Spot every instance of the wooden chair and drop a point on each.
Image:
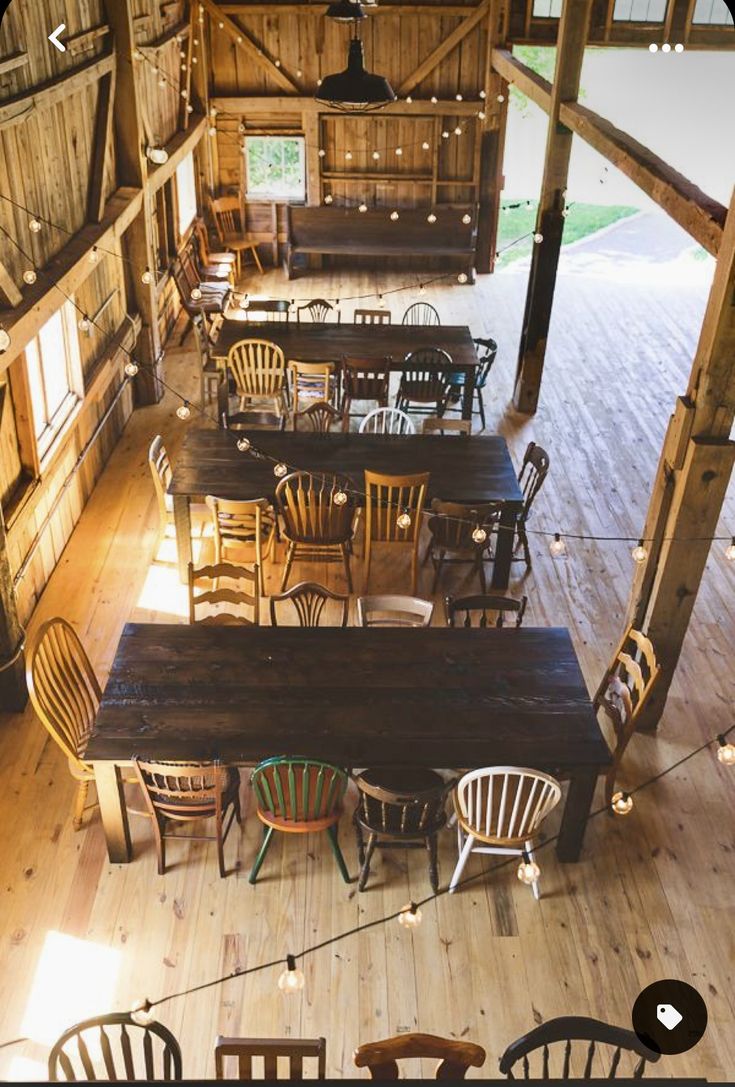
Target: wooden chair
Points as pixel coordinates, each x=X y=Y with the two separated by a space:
x=421 y=313
x=269 y=309
x=531 y=478
x=252 y=420
x=424 y=380
x=438 y=425
x=247 y=599
x=180 y=792
x=317 y=528
x=208 y=257
x=364 y=379
x=309 y=601
x=126 y=1050
x=162 y=473
x=394 y=611
x=197 y=296
x=228 y=222
x=592 y=1059
x=454 y=1057
x=499 y=810
x=456 y=380
x=239 y=524
x=259 y=370
x=399 y=807
x=372 y=317
x=310 y=381
x=210 y=375
x=318 y=311
x=298 y=796
x=387 y=498
x=486 y=610
x=623 y=693
x=215 y=273
x=450 y=531
x=320 y=417
x=387 y=421
x=293 y=1050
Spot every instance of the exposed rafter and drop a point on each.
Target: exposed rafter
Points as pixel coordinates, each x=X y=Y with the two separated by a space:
x=16 y=110
x=254 y=49
x=444 y=48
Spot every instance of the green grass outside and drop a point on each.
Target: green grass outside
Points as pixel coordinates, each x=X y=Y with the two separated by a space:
x=583 y=220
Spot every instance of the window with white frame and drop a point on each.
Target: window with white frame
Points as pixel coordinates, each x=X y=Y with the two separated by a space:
x=186 y=191
x=546 y=9
x=274 y=168
x=639 y=11
x=54 y=371
x=711 y=13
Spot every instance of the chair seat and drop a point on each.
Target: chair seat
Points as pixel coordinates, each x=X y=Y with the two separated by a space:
x=217 y=273
x=488 y=839
x=222 y=258
x=296 y=826
x=238 y=241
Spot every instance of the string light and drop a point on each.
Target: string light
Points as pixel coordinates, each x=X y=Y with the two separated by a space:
x=479 y=535
x=340 y=498
x=93 y=255
x=29 y=277
x=528 y=870
x=184 y=411
x=462 y=277
x=243 y=444
x=280 y=470
x=538 y=238
x=147 y=277
x=292 y=979
x=212 y=130
x=425 y=145
x=410 y=916
x=376 y=155
x=399 y=151
x=501 y=98
x=34 y=226
x=622 y=803
x=431 y=218
x=348 y=156
x=458 y=97
x=84 y=324
x=404 y=520
x=639 y=552
x=666 y=48
x=434 y=100
x=445 y=135
x=196 y=294
x=458 y=130
x=5 y=340
x=466 y=219
x=678 y=48
x=557 y=547
x=422 y=289
x=131 y=368
x=141 y=1012
x=481 y=114
x=482 y=94
x=653 y=48
x=725 y=751
x=362 y=208
x=381 y=302
x=394 y=216
x=328 y=198
x=730 y=551
x=321 y=151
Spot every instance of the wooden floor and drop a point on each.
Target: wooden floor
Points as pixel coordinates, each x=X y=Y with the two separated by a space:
x=652 y=897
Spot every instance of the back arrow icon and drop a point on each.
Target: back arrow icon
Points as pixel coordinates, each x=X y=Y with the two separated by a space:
x=54 y=37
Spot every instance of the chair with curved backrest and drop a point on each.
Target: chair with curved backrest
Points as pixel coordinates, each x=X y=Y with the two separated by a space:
x=399 y=807
x=160 y=466
x=387 y=421
x=389 y=498
x=531 y=479
x=320 y=418
x=309 y=601
x=207 y=256
x=394 y=611
x=499 y=810
x=456 y=380
x=624 y=691
x=372 y=317
x=227 y=215
x=97 y=1050
x=239 y=524
x=485 y=610
x=364 y=379
x=294 y=1050
x=317 y=525
x=318 y=311
x=601 y=1044
x=310 y=381
x=298 y=796
x=454 y=1056
x=438 y=425
x=213 y=594
x=424 y=380
x=450 y=530
x=259 y=370
x=421 y=313
x=180 y=792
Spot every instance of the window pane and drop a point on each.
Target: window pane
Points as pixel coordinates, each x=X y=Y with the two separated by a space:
x=640 y=11
x=54 y=364
x=35 y=385
x=711 y=13
x=187 y=193
x=275 y=167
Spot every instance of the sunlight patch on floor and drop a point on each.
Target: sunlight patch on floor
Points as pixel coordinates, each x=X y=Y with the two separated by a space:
x=163 y=593
x=24 y=1070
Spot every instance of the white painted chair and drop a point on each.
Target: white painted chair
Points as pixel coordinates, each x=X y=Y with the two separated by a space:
x=387 y=421
x=499 y=810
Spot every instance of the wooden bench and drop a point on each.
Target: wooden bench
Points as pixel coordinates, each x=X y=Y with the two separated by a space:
x=326 y=230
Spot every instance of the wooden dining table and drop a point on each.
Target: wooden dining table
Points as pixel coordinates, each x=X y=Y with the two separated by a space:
x=472 y=470
x=436 y=697
x=324 y=342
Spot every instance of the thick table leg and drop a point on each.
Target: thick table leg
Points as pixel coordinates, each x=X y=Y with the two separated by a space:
x=576 y=812
x=468 y=392
x=182 y=524
x=504 y=549
x=111 y=795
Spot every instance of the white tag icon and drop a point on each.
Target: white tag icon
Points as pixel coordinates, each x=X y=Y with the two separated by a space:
x=668 y=1015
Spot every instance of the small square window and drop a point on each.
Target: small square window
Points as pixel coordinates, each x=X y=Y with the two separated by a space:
x=546 y=9
x=711 y=13
x=274 y=168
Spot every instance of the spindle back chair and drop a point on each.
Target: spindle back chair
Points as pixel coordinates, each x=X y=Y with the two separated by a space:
x=387 y=421
x=310 y=381
x=602 y=1049
x=534 y=470
x=320 y=417
x=388 y=497
x=454 y=1056
x=424 y=380
x=126 y=1050
x=421 y=313
x=364 y=379
x=318 y=310
x=309 y=601
x=228 y=220
x=317 y=524
x=259 y=370
x=486 y=610
x=299 y=1055
x=456 y=380
x=162 y=473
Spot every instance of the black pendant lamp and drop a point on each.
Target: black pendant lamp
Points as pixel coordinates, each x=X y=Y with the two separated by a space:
x=345 y=11
x=355 y=90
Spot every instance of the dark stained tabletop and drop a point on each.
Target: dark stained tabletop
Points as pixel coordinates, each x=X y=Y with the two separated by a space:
x=357 y=697
x=476 y=469
x=329 y=342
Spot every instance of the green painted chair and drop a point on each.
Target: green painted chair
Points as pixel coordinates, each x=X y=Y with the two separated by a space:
x=298 y=796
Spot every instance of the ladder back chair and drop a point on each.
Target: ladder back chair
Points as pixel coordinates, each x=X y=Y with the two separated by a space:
x=238 y=524
x=387 y=421
x=209 y=372
x=424 y=380
x=309 y=601
x=588 y=1049
x=298 y=796
x=318 y=311
x=421 y=313
x=372 y=317
x=317 y=525
x=259 y=370
x=438 y=425
x=115 y=1047
x=310 y=381
x=486 y=610
x=209 y=258
x=162 y=473
x=391 y=610
x=450 y=531
x=180 y=792
x=399 y=807
x=456 y=380
x=624 y=692
x=215 y=273
x=298 y=1054
x=499 y=810
x=455 y=1057
x=364 y=379
x=531 y=477
x=205 y=590
x=387 y=498
x=227 y=215
x=320 y=417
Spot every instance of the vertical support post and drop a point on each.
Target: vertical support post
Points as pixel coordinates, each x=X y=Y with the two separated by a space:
x=13 y=692
x=492 y=145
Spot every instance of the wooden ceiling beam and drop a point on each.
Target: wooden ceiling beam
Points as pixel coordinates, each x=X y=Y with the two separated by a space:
x=103 y=138
x=321 y=9
x=451 y=41
x=18 y=109
x=525 y=79
x=250 y=45
x=245 y=105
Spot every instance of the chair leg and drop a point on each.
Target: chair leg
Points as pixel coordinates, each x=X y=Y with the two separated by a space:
x=287 y=565
x=368 y=555
x=259 y=266
x=523 y=540
x=481 y=407
x=433 y=862
x=334 y=842
x=359 y=840
x=463 y=858
x=438 y=570
x=414 y=567
x=221 y=849
x=365 y=870
x=79 y=801
x=481 y=573
x=159 y=827
x=267 y=835
x=535 y=885
x=346 y=560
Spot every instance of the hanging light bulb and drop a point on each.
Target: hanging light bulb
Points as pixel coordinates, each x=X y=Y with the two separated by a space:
x=292 y=979
x=162 y=77
x=196 y=294
x=184 y=93
x=482 y=94
x=243 y=444
x=653 y=48
x=376 y=155
x=422 y=289
x=409 y=99
x=538 y=238
x=348 y=156
x=410 y=916
x=137 y=55
x=431 y=218
x=404 y=520
x=299 y=73
x=242 y=129
x=394 y=216
x=4 y=340
x=183 y=411
x=212 y=130
x=189 y=109
x=141 y=1013
x=34 y=226
x=340 y=497
x=458 y=130
x=399 y=151
x=425 y=146
x=458 y=97
x=84 y=324
x=434 y=100
x=93 y=255
x=467 y=219
x=29 y=277
x=280 y=470
x=481 y=114
x=362 y=208
x=725 y=751
x=131 y=368
x=678 y=48
x=730 y=551
x=639 y=552
x=328 y=198
x=381 y=302
x=321 y=152
x=462 y=277
x=501 y=98
x=445 y=135
x=528 y=870
x=622 y=803
x=557 y=547
x=666 y=48
x=147 y=277
x=479 y=535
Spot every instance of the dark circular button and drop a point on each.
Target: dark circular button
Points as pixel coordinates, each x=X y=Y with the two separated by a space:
x=669 y=1016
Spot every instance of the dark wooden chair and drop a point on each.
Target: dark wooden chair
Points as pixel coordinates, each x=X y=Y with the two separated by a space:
x=399 y=807
x=531 y=478
x=318 y=311
x=421 y=313
x=252 y=420
x=456 y=380
x=115 y=1047
x=364 y=379
x=486 y=610
x=454 y=1057
x=372 y=317
x=424 y=381
x=247 y=1051
x=180 y=792
x=320 y=417
x=450 y=531
x=317 y=527
x=298 y=796
x=269 y=309
x=601 y=1046
x=196 y=297
x=309 y=601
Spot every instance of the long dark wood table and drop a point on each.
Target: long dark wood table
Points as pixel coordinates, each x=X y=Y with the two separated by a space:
x=473 y=470
x=438 y=697
x=331 y=342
